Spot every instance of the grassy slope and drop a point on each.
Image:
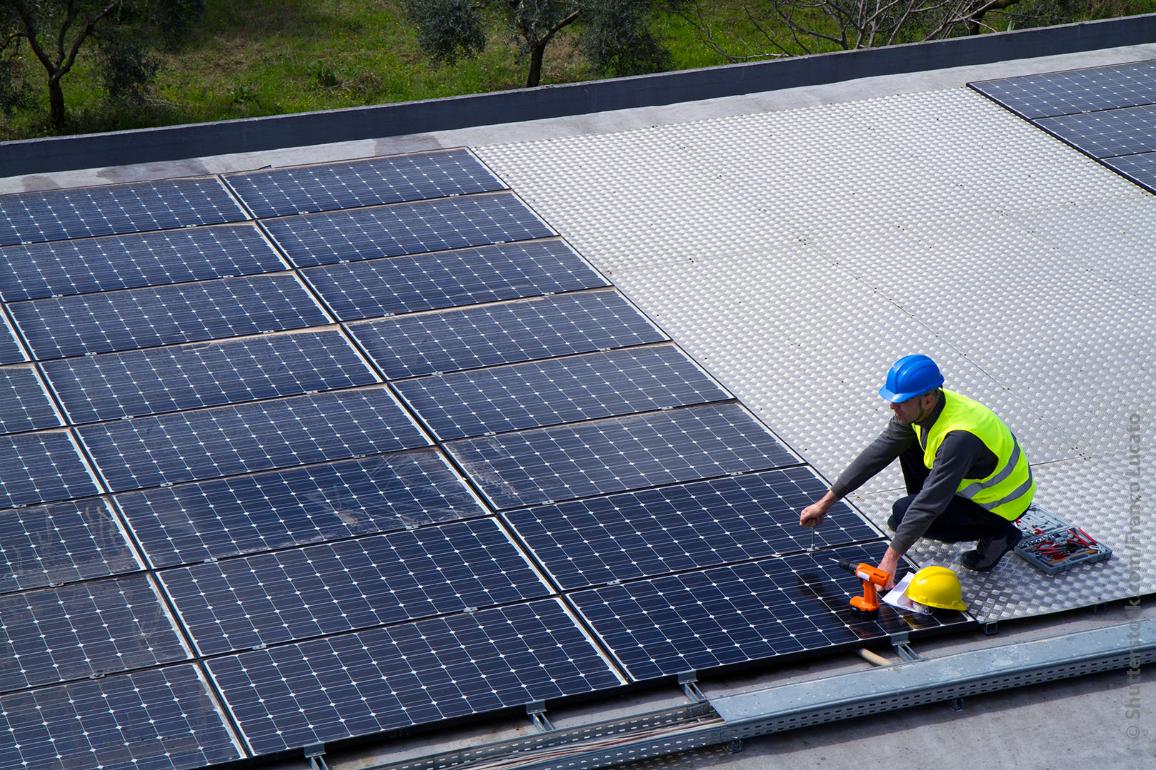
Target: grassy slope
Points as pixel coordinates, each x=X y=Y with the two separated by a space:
x=262 y=57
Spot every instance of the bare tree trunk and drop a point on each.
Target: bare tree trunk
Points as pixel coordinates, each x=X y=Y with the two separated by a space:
x=55 y=102
x=537 y=53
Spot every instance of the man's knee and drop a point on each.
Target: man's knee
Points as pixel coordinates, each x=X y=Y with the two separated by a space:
x=898 y=511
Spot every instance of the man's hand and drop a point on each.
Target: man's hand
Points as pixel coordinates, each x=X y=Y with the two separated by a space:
x=814 y=514
x=889 y=564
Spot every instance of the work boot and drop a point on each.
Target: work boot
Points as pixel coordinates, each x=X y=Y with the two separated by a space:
x=989 y=550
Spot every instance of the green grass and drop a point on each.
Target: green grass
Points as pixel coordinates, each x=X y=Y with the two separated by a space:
x=266 y=57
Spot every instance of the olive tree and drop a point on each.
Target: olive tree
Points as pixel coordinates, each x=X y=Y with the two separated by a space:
x=613 y=33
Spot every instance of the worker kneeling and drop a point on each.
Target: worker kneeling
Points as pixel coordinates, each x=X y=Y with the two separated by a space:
x=967 y=477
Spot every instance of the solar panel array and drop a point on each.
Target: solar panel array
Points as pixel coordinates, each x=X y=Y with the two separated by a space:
x=1106 y=112
x=308 y=454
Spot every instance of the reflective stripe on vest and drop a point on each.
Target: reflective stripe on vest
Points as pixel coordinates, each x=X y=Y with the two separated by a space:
x=1009 y=490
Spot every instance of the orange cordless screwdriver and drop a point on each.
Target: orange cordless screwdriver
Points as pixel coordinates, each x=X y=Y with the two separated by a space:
x=871 y=577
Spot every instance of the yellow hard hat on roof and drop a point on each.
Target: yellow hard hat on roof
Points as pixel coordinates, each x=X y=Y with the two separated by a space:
x=937 y=587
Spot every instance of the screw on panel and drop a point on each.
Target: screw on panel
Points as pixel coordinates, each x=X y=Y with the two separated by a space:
x=688 y=681
x=537 y=713
x=316 y=757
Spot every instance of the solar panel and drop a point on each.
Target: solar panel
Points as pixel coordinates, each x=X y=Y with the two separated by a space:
x=740 y=613
x=1066 y=93
x=55 y=215
x=541 y=393
x=210 y=443
x=127 y=320
x=687 y=526
x=26 y=404
x=61 y=543
x=379 y=287
x=90 y=265
x=505 y=333
x=1140 y=168
x=414 y=673
x=363 y=183
x=160 y=719
x=214 y=519
x=144 y=382
x=596 y=458
x=83 y=630
x=10 y=351
x=406 y=228
x=42 y=468
x=325 y=589
x=1108 y=133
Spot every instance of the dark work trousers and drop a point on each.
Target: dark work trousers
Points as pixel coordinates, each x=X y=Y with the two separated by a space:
x=961 y=520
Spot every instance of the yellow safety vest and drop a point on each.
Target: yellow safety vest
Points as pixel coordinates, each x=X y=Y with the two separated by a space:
x=1009 y=490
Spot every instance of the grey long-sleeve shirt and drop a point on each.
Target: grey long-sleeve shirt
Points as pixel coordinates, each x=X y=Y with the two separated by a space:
x=961 y=455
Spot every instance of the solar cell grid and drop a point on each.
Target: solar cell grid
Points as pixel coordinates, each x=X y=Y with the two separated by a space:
x=736 y=614
x=595 y=458
x=1065 y=93
x=504 y=333
x=1107 y=133
x=42 y=468
x=414 y=673
x=54 y=215
x=159 y=719
x=144 y=382
x=326 y=589
x=406 y=228
x=688 y=526
x=541 y=393
x=84 y=629
x=223 y=441
x=64 y=268
x=380 y=287
x=1139 y=168
x=190 y=312
x=363 y=183
x=214 y=519
x=61 y=543
x=26 y=405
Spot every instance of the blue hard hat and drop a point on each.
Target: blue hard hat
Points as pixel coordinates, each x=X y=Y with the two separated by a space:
x=909 y=377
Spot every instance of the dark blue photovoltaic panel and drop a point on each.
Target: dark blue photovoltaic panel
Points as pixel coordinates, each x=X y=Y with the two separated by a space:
x=386 y=678
x=55 y=215
x=41 y=468
x=326 y=589
x=1108 y=133
x=701 y=620
x=144 y=382
x=1140 y=168
x=380 y=287
x=61 y=543
x=24 y=405
x=597 y=458
x=502 y=334
x=406 y=228
x=209 y=443
x=191 y=523
x=687 y=526
x=1084 y=90
x=161 y=719
x=10 y=352
x=189 y=312
x=540 y=393
x=83 y=630
x=363 y=183
x=89 y=265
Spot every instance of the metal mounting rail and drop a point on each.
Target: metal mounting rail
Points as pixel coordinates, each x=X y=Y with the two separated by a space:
x=787 y=707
